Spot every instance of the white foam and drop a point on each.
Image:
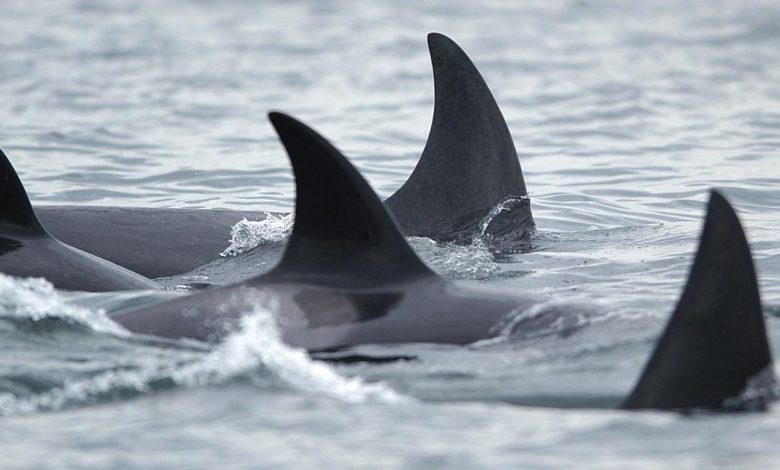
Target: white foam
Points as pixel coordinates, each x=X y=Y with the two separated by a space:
x=255 y=344
x=36 y=298
x=258 y=342
x=473 y=261
x=248 y=234
x=759 y=391
x=503 y=206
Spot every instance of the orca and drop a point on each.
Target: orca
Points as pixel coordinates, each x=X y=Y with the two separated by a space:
x=348 y=277
x=28 y=250
x=716 y=338
x=468 y=183
x=468 y=180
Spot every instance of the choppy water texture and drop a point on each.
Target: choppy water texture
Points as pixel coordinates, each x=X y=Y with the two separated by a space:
x=624 y=115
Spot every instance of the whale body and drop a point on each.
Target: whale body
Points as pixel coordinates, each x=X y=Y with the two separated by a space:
x=348 y=278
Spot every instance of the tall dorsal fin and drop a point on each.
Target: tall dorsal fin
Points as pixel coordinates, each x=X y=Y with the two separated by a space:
x=716 y=339
x=340 y=224
x=469 y=164
x=16 y=212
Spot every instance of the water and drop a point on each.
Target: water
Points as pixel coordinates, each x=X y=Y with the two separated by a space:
x=624 y=114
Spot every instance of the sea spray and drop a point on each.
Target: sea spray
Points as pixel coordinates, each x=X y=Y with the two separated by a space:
x=255 y=345
x=36 y=299
x=258 y=341
x=248 y=234
x=473 y=261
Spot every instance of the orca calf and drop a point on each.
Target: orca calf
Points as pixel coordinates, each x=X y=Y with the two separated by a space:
x=467 y=183
x=28 y=250
x=348 y=277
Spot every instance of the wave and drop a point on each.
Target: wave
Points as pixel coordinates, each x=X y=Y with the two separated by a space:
x=254 y=349
x=36 y=299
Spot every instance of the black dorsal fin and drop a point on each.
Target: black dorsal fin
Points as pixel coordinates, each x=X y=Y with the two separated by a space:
x=469 y=164
x=716 y=339
x=340 y=224
x=16 y=212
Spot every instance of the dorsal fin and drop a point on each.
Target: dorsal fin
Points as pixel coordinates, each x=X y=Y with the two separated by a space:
x=716 y=339
x=469 y=164
x=340 y=224
x=16 y=212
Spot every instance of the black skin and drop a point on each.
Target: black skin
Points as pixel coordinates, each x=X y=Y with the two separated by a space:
x=27 y=250
x=716 y=335
x=154 y=242
x=469 y=164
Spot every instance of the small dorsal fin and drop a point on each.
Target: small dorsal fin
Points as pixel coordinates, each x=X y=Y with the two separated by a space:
x=469 y=164
x=15 y=209
x=716 y=339
x=340 y=224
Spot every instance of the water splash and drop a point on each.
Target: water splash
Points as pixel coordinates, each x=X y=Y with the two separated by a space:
x=36 y=299
x=508 y=227
x=504 y=229
x=249 y=234
x=255 y=346
x=761 y=389
x=473 y=261
x=503 y=206
x=258 y=342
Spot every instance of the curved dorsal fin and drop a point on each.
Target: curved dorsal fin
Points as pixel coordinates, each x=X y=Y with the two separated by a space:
x=469 y=164
x=15 y=209
x=716 y=339
x=341 y=226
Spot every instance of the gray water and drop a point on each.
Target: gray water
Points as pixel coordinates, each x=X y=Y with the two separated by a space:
x=624 y=115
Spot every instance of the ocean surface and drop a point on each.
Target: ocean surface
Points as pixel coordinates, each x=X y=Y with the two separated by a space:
x=624 y=115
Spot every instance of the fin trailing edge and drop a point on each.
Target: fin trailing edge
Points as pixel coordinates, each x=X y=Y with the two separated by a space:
x=340 y=225
x=16 y=212
x=715 y=341
x=469 y=164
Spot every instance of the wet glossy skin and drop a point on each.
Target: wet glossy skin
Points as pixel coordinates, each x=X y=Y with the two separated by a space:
x=152 y=242
x=425 y=309
x=469 y=164
x=34 y=255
